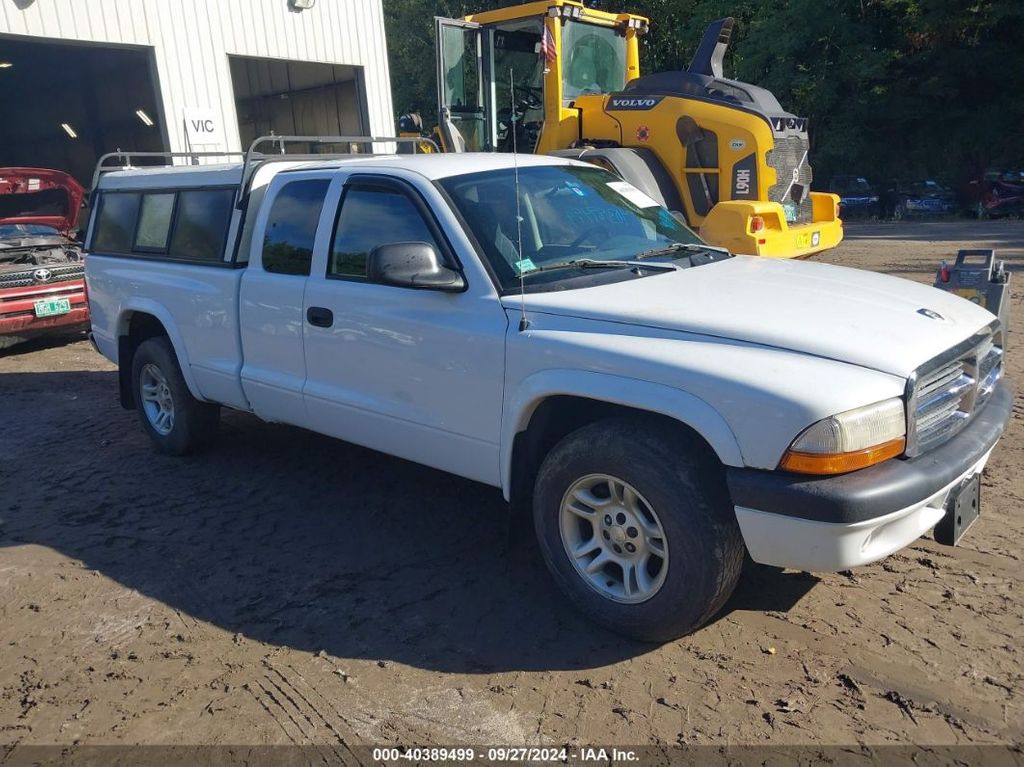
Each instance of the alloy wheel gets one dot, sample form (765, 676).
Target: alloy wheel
(613, 538)
(157, 402)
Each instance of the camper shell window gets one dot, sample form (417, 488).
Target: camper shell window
(176, 224)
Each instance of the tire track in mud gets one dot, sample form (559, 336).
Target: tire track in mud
(291, 702)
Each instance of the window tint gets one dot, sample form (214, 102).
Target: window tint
(371, 217)
(154, 222)
(202, 224)
(291, 227)
(115, 222)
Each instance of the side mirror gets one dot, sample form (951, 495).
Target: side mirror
(412, 265)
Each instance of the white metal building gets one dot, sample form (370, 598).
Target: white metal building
(83, 77)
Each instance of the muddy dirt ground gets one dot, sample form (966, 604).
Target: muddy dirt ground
(287, 588)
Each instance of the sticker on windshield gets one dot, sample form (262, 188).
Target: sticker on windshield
(633, 194)
(525, 266)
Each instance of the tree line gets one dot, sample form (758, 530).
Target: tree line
(892, 88)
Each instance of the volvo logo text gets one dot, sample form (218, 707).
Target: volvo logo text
(42, 275)
(930, 314)
(633, 102)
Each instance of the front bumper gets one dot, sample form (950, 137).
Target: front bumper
(834, 523)
(917, 208)
(28, 325)
(17, 315)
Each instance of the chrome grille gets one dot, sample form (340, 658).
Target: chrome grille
(23, 279)
(990, 369)
(947, 391)
(789, 155)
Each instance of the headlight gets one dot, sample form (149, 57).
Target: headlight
(849, 441)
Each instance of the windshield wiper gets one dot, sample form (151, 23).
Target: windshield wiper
(690, 247)
(593, 263)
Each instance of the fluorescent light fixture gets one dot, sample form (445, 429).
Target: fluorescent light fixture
(69, 130)
(146, 120)
(6, 64)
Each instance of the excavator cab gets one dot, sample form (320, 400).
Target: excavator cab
(555, 77)
(509, 78)
(490, 83)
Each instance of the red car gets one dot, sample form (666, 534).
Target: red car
(42, 289)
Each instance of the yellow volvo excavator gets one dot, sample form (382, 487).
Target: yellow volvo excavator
(556, 77)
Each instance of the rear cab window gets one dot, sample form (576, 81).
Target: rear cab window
(290, 231)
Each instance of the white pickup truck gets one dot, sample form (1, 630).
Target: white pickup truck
(658, 405)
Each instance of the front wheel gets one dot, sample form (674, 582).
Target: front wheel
(635, 524)
(176, 421)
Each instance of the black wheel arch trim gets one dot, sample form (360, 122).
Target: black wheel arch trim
(127, 343)
(878, 490)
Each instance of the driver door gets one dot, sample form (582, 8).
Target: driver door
(465, 86)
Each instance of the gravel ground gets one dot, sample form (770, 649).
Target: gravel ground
(286, 588)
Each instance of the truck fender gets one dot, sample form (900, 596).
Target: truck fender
(692, 411)
(136, 304)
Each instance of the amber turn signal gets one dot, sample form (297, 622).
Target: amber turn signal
(840, 463)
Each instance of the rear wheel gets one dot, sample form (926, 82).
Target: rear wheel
(635, 524)
(176, 421)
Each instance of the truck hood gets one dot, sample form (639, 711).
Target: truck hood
(40, 196)
(851, 315)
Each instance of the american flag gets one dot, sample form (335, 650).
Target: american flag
(547, 48)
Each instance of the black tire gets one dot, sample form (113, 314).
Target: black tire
(684, 483)
(194, 422)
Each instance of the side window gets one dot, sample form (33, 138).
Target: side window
(291, 226)
(155, 216)
(115, 222)
(201, 227)
(372, 216)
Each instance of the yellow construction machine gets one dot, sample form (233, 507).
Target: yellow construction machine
(556, 77)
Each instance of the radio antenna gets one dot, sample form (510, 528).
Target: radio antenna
(524, 323)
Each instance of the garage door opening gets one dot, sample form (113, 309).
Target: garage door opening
(65, 105)
(298, 98)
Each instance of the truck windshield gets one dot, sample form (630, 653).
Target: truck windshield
(566, 213)
(19, 231)
(594, 60)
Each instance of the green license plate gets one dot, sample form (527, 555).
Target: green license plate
(52, 307)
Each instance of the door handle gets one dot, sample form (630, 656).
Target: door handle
(320, 316)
